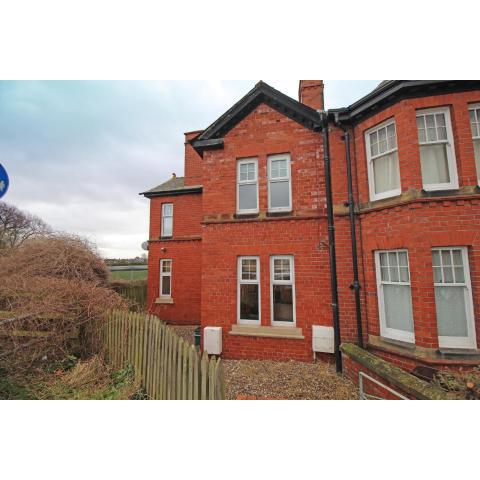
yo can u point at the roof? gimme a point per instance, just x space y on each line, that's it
389 92
174 186
212 137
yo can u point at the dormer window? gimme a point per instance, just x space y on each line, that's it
279 183
247 186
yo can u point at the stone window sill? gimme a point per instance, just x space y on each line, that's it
267 331
164 300
429 356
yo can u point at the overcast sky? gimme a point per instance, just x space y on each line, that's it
78 153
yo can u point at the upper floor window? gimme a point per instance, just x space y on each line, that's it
247 186
382 157
279 183
437 154
474 111
394 295
167 219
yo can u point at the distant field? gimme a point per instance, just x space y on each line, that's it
129 275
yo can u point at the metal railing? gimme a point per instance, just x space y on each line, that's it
366 396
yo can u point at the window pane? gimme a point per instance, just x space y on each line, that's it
451 313
386 173
404 274
457 258
434 164
374 149
243 172
421 135
383 259
398 307
431 134
249 269
167 226
442 133
421 122
278 168
167 209
281 269
247 197
249 302
437 275
459 275
440 118
448 274
384 273
430 120
166 266
282 303
166 285
251 171
436 258
446 259
402 259
279 194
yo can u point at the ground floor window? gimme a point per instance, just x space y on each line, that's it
165 278
453 298
282 292
394 295
249 290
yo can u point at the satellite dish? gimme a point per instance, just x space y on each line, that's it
145 246
4 181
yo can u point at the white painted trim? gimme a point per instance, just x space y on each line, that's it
165 275
166 216
270 159
283 282
385 331
244 161
451 158
240 281
469 342
371 175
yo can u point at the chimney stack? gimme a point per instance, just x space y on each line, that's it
310 92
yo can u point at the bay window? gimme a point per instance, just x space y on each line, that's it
437 154
394 295
248 299
279 183
247 186
282 290
453 298
382 158
474 111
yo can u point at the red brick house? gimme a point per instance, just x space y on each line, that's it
364 220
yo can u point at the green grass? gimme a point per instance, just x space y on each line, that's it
129 275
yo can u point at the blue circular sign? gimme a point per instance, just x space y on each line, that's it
4 181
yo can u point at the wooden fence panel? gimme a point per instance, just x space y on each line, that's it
165 365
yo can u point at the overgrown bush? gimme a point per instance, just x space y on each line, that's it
53 296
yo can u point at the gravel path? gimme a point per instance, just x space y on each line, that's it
286 380
186 332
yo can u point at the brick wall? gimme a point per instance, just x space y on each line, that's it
193 161
185 250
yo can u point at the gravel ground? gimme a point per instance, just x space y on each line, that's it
286 380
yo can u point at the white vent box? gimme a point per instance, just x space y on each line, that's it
322 339
212 340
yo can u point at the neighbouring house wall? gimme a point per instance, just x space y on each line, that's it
184 248
418 221
302 234
193 161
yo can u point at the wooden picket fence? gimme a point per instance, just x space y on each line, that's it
167 367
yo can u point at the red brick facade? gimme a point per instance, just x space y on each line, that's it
208 235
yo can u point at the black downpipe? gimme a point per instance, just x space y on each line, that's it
331 244
351 210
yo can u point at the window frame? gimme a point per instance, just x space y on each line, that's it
283 282
370 160
469 342
162 233
270 159
240 162
385 331
162 261
240 282
449 142
475 107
